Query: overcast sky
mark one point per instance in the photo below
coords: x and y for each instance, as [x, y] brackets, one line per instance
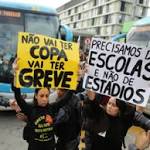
[52, 3]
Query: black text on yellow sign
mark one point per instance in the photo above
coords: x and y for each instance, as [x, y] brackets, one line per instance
[46, 62]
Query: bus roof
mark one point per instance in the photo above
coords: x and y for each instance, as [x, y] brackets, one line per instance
[82, 33]
[127, 26]
[29, 6]
[142, 22]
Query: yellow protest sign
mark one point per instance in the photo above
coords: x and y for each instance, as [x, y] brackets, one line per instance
[46, 62]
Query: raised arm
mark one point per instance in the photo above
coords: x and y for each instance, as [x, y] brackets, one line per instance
[91, 107]
[141, 120]
[25, 108]
[94, 116]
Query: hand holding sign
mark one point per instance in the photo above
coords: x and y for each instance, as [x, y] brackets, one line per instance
[15, 65]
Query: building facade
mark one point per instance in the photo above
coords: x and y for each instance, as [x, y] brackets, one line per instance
[101, 17]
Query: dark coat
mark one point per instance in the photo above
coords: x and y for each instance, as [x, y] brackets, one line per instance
[68, 120]
[107, 132]
[40, 126]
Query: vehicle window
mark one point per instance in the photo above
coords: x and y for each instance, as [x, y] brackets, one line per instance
[139, 36]
[41, 24]
[9, 28]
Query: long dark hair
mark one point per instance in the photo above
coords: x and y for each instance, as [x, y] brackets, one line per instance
[35, 93]
[122, 107]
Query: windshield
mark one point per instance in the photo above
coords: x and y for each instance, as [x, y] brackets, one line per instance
[41, 24]
[139, 36]
[12, 22]
[9, 27]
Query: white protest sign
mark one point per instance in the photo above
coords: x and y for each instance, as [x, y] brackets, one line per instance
[120, 70]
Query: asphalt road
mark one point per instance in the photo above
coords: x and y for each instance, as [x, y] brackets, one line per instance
[11, 132]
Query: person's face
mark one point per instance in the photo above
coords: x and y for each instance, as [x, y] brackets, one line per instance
[82, 57]
[42, 97]
[60, 92]
[111, 107]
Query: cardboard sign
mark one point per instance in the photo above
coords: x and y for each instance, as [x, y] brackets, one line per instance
[46, 62]
[119, 70]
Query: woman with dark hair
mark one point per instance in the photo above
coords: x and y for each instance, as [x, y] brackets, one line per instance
[107, 126]
[40, 118]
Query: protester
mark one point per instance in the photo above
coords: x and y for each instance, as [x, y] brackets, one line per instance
[82, 56]
[68, 123]
[40, 118]
[107, 126]
[68, 118]
[40, 124]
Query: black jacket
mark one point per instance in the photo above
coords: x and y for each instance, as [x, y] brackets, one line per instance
[41, 135]
[107, 132]
[68, 120]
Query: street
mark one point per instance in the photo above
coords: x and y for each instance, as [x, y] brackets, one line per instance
[11, 133]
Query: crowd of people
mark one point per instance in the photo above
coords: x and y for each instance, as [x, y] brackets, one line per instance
[57, 125]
